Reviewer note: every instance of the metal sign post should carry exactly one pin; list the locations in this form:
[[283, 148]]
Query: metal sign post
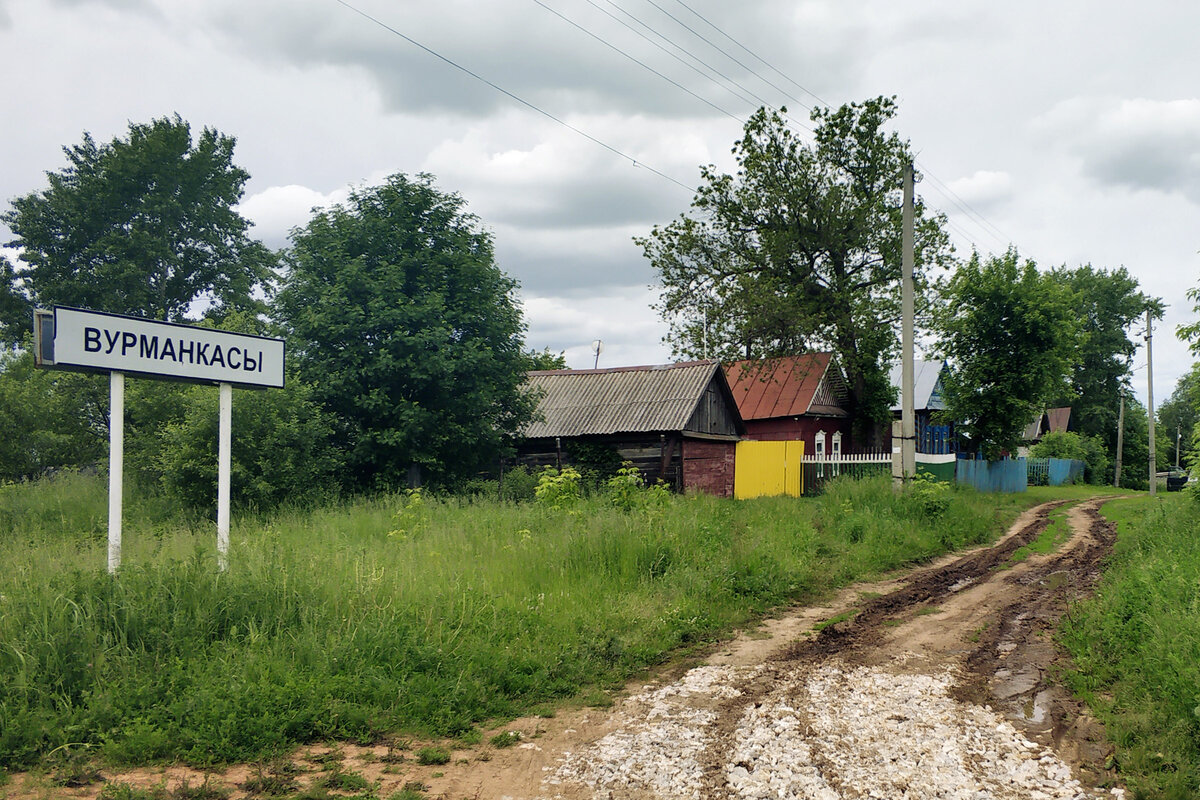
[[92, 341]]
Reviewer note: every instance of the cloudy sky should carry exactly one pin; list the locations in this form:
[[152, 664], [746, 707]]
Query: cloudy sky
[[1069, 129]]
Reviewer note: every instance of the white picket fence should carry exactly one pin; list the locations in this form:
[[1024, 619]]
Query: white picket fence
[[827, 465]]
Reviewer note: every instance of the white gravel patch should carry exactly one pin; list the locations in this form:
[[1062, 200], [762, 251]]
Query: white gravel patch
[[832, 733]]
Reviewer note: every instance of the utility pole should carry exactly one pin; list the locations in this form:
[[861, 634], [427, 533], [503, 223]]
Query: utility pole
[[1150, 399], [1120, 441], [1178, 436], [908, 428], [908, 432]]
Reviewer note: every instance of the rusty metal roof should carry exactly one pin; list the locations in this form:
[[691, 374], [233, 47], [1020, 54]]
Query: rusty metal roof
[[786, 387], [1058, 420], [581, 402]]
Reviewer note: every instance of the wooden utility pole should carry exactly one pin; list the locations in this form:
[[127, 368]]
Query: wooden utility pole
[[1120, 441], [908, 428], [1150, 398]]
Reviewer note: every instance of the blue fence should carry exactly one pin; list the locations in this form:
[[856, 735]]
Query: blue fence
[[1055, 471], [1009, 475]]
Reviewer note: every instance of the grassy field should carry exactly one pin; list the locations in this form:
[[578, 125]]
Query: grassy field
[[399, 615], [1136, 645]]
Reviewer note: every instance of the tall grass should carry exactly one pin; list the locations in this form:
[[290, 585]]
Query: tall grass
[[1136, 645], [384, 615]]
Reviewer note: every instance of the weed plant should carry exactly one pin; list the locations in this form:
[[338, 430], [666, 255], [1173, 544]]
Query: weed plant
[[1136, 646], [327, 625]]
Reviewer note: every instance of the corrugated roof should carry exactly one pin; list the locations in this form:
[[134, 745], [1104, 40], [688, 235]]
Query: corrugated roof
[[1058, 419], [778, 387], [925, 378], [581, 402]]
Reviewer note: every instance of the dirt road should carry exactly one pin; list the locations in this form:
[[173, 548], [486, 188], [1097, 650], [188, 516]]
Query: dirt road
[[938, 685]]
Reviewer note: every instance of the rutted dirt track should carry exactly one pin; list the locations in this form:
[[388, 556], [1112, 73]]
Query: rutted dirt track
[[941, 684]]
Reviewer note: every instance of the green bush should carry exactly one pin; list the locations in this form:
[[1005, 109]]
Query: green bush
[[518, 484], [1066, 444], [558, 489], [283, 448]]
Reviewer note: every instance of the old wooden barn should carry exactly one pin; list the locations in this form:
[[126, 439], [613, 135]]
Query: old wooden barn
[[677, 422]]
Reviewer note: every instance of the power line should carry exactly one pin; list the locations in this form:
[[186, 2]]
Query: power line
[[754, 55], [643, 64], [520, 100], [692, 67], [732, 58]]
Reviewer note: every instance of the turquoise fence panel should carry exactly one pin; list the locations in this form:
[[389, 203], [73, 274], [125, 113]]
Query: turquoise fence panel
[[1064, 470], [1009, 475]]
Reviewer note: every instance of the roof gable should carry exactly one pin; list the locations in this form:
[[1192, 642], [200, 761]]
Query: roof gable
[[788, 386], [927, 385], [623, 399]]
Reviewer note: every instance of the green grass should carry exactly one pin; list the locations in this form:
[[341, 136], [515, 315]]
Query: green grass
[[1136, 645], [331, 624]]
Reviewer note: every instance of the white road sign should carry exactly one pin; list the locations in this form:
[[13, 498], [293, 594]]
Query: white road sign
[[93, 340]]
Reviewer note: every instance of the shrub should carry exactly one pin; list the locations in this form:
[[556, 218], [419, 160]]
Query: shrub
[[1065, 444], [518, 484], [558, 489]]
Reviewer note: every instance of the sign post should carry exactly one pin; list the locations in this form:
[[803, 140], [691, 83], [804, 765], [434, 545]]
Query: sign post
[[92, 341]]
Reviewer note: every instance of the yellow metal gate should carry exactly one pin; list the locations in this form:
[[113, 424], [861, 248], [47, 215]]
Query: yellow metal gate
[[768, 469]]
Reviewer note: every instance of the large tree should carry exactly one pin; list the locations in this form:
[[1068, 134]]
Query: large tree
[[1177, 419], [145, 225], [1107, 304], [16, 317], [1011, 335], [409, 333], [799, 250]]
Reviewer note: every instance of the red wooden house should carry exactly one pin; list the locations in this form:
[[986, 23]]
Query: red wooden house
[[793, 398]]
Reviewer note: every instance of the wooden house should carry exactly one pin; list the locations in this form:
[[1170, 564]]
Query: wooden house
[[793, 398], [933, 436], [677, 422]]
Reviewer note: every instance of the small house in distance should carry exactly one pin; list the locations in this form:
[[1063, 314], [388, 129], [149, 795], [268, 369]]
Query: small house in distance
[[793, 398], [932, 437], [677, 422]]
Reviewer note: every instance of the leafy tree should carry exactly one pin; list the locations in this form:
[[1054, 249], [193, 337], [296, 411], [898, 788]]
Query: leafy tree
[[1107, 303], [1080, 447], [1179, 413], [800, 249], [283, 448], [546, 359], [1191, 333], [408, 331], [143, 225], [50, 419], [1010, 333], [1135, 449], [16, 312]]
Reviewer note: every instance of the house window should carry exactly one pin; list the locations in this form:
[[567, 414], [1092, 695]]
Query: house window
[[819, 452], [835, 453]]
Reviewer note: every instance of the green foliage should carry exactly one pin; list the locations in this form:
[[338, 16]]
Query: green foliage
[[16, 310], [50, 420], [1135, 458], [1106, 303], [283, 448], [408, 332], [143, 225], [518, 484], [323, 628], [1136, 646], [628, 490], [1010, 334], [505, 739], [412, 516], [596, 461], [799, 250], [558, 489], [1180, 413], [1079, 447], [932, 495], [1191, 333], [433, 755], [546, 359]]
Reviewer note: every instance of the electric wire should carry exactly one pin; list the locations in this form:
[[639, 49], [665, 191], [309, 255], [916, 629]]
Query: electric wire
[[681, 49], [731, 57], [643, 64], [521, 100], [754, 55]]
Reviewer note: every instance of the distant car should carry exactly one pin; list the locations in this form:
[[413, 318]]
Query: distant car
[[1176, 480]]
